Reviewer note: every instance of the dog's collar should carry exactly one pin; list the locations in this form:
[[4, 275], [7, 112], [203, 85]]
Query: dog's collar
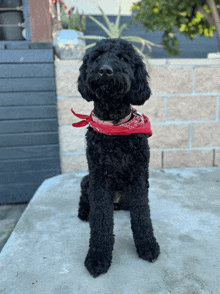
[[110, 122], [138, 124]]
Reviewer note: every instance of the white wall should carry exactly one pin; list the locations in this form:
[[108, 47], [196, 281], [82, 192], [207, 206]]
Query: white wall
[[110, 7]]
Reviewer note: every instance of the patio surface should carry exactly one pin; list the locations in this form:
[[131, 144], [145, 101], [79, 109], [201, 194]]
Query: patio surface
[[45, 252]]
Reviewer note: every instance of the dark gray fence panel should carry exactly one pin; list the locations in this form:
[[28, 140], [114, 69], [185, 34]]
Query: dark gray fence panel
[[35, 164], [28, 112], [26, 70], [29, 144], [27, 177], [18, 193], [27, 98], [29, 152], [29, 139], [27, 84], [18, 187], [26, 56], [27, 126]]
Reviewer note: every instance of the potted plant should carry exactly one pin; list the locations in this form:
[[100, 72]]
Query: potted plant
[[114, 31], [68, 26]]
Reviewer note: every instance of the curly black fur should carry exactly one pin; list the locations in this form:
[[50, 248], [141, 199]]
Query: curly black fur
[[114, 76]]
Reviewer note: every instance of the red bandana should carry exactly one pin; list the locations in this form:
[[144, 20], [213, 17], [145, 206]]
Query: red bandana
[[138, 124]]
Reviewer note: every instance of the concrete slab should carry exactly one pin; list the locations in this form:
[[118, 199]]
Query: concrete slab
[[46, 251]]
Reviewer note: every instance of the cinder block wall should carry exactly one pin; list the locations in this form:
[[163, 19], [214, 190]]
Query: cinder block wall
[[184, 111]]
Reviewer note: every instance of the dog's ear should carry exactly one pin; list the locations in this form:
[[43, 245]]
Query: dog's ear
[[140, 90], [82, 85]]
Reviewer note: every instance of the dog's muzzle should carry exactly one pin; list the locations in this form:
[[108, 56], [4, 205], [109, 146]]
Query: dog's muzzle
[[106, 81]]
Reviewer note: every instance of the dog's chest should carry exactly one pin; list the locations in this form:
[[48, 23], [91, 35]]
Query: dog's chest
[[119, 157]]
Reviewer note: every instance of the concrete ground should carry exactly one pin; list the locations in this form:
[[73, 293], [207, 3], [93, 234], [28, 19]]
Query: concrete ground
[[45, 253]]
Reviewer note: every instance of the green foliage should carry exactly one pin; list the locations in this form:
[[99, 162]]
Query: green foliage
[[64, 18], [171, 15], [73, 21]]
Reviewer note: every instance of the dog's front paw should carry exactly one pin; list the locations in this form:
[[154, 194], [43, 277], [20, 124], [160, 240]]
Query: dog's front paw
[[97, 263], [149, 252]]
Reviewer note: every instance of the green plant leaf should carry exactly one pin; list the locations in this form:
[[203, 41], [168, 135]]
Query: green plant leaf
[[100, 24], [92, 37], [64, 20], [115, 32], [74, 21], [145, 57], [89, 46], [118, 19], [142, 41], [137, 40], [105, 18], [122, 28], [83, 23]]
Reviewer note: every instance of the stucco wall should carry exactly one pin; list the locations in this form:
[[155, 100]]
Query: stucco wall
[[110, 7], [184, 111]]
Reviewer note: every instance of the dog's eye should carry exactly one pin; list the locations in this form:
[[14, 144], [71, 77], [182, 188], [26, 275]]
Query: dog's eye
[[122, 58], [93, 58]]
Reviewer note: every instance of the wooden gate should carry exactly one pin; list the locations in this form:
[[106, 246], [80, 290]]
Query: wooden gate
[[29, 146]]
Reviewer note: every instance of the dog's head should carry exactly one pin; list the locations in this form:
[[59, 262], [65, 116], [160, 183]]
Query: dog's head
[[113, 69]]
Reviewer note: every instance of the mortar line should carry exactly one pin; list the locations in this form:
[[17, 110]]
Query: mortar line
[[165, 106], [162, 159], [218, 109], [68, 67], [213, 163], [193, 80], [190, 135], [155, 95], [187, 149], [186, 94], [69, 97], [183, 122]]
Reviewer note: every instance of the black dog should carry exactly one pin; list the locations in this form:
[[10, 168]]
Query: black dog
[[113, 75]]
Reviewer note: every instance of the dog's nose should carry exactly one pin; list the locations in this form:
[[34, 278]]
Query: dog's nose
[[106, 69]]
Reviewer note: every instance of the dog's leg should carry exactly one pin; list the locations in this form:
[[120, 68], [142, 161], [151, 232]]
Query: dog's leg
[[146, 244], [101, 242], [83, 212]]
